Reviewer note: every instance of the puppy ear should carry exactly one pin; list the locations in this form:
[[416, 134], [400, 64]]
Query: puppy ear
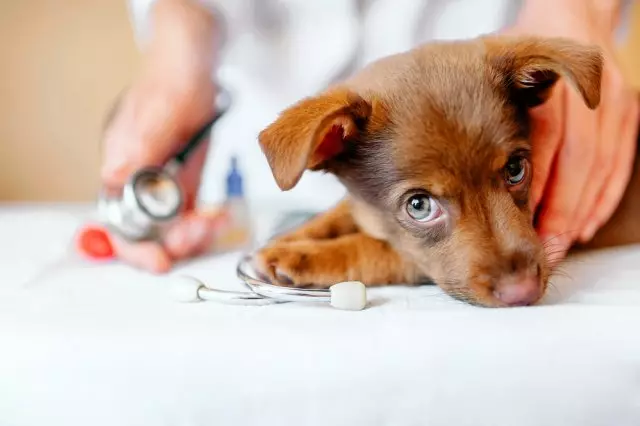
[[311, 132], [533, 65]]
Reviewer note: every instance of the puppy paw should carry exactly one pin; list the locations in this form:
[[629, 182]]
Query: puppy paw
[[302, 264]]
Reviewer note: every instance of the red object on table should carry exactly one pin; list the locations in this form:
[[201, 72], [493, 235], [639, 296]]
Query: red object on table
[[95, 243]]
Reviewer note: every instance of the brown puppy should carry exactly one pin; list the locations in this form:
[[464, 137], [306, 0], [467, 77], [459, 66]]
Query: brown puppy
[[432, 146]]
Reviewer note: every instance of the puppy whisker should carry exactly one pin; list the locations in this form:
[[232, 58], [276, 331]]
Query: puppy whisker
[[546, 242], [563, 274], [551, 285]]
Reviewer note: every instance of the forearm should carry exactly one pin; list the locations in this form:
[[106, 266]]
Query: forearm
[[185, 38], [607, 12], [603, 14]]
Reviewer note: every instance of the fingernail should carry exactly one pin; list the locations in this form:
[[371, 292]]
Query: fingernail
[[161, 265], [192, 235], [589, 231], [175, 239], [198, 229]]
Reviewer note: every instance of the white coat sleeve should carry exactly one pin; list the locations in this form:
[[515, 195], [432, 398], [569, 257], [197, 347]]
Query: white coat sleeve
[[625, 19], [226, 11]]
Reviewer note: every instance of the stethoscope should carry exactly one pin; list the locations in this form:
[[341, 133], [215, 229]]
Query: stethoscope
[[348, 295], [152, 197]]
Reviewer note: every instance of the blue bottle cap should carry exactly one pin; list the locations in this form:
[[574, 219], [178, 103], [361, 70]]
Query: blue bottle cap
[[234, 180]]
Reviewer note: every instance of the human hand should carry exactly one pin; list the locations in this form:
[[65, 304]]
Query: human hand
[[152, 123], [172, 98], [582, 158]]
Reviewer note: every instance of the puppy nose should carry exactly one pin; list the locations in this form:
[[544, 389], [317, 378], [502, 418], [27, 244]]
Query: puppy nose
[[518, 289]]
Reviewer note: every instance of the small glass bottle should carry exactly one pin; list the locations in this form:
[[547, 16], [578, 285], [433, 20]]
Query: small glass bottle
[[237, 233]]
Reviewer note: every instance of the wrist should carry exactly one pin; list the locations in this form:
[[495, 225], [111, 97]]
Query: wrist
[[554, 17], [186, 38], [606, 15], [599, 15]]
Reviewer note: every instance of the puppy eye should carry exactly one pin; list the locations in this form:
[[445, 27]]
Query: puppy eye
[[423, 208], [515, 170]]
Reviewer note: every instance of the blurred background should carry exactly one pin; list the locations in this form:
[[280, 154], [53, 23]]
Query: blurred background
[[62, 63]]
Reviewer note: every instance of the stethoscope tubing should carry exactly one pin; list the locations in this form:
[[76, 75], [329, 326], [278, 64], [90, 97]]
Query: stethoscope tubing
[[259, 292], [223, 102], [227, 297], [278, 293]]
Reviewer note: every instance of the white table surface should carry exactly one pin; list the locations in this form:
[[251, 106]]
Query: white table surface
[[104, 345]]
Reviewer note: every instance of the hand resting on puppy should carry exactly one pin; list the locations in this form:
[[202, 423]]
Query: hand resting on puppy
[[433, 147]]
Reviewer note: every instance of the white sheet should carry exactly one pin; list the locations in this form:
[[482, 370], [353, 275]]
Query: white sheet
[[103, 345]]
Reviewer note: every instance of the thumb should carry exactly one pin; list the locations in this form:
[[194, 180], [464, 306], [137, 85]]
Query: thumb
[[546, 137], [150, 126], [194, 233]]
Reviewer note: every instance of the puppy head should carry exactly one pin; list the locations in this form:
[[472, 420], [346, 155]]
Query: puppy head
[[432, 145]]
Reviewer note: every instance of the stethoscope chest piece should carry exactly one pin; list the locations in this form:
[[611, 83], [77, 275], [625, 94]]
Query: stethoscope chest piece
[[150, 199], [155, 193]]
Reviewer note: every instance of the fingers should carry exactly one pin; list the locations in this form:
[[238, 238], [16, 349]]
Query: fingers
[[615, 101], [136, 125], [570, 176], [149, 256], [193, 235], [149, 126], [546, 135], [622, 168]]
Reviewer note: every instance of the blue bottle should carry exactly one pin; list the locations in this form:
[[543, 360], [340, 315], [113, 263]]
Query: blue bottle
[[237, 234]]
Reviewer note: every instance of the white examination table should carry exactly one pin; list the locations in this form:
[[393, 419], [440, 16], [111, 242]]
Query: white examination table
[[104, 345]]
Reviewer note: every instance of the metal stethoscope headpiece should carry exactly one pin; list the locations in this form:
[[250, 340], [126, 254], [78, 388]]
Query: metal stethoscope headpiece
[[152, 196]]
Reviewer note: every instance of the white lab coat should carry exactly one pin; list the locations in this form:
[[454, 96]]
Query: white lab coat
[[277, 51]]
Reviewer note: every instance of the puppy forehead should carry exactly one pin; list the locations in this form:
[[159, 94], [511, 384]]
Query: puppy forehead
[[449, 114], [452, 151]]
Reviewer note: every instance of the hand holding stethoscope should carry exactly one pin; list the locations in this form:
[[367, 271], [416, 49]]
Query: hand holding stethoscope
[[146, 213], [152, 197]]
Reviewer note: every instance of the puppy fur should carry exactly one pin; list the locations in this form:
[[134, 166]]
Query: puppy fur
[[441, 121]]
